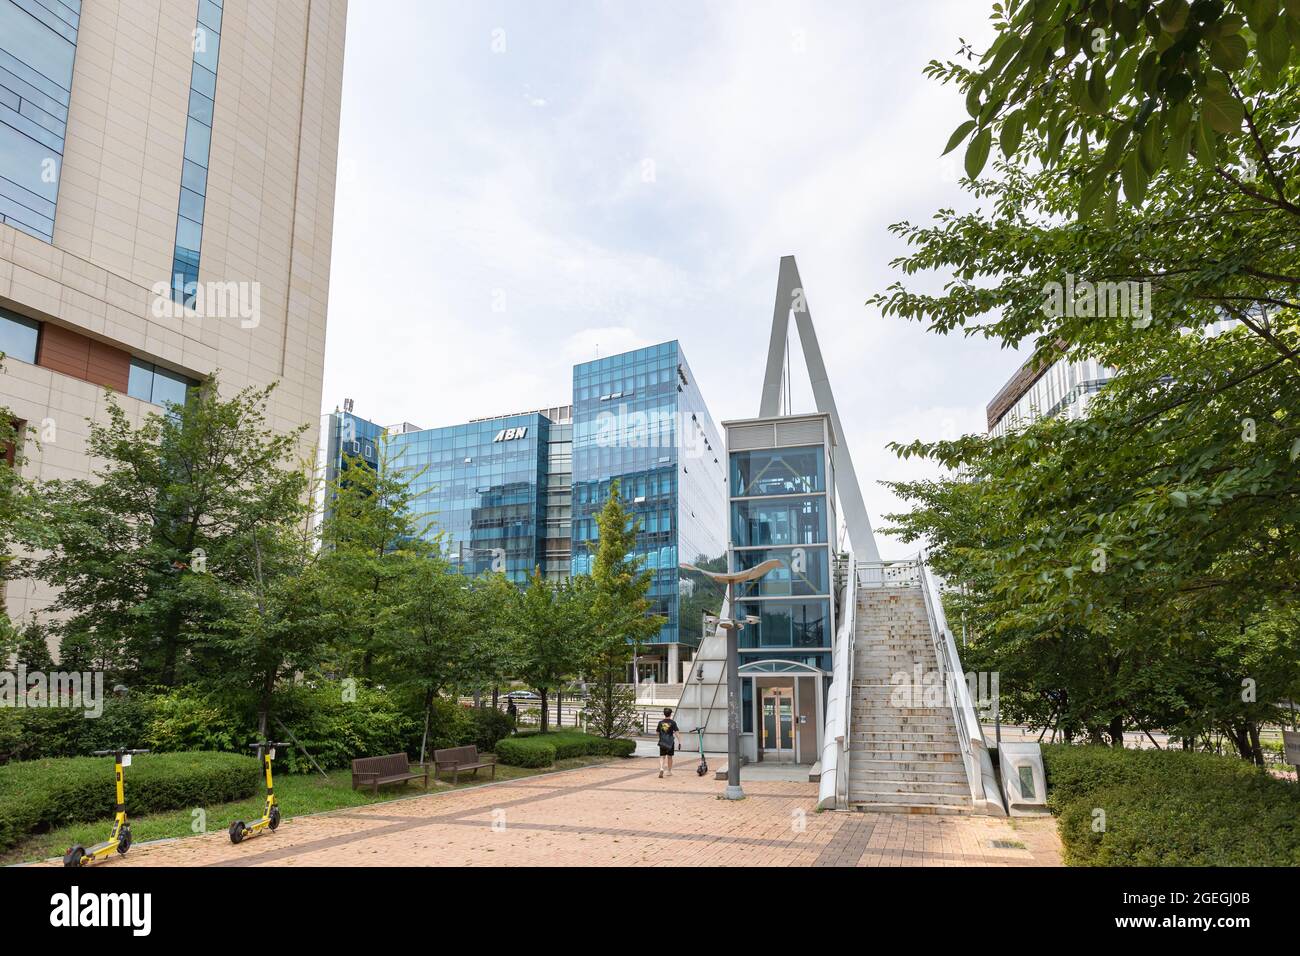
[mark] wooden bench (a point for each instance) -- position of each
(455, 759)
(374, 772)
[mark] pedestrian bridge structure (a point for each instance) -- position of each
(846, 662)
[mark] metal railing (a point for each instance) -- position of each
(979, 766)
(888, 574)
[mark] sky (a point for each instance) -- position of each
(525, 185)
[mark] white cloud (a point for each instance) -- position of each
(484, 243)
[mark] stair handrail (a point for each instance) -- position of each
(834, 787)
(970, 735)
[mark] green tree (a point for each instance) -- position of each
(492, 608)
(1117, 92)
(21, 517)
(423, 636)
(31, 647)
(620, 615)
(1132, 568)
(149, 548)
(550, 637)
(369, 534)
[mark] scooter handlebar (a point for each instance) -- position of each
(119, 752)
(258, 745)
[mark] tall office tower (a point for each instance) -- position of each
(1061, 389)
(640, 418)
(166, 210)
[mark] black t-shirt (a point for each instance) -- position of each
(667, 727)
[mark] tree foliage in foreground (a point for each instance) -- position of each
(149, 549)
(1134, 569)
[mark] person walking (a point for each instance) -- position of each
(669, 739)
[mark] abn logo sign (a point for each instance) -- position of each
(510, 434)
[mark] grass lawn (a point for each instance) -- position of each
(297, 794)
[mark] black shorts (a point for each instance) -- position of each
(665, 751)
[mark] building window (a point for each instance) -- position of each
(778, 521)
(799, 624)
(38, 42)
(18, 336)
(149, 383)
(803, 571)
(198, 148)
(777, 471)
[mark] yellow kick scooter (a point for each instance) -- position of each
(270, 818)
(119, 838)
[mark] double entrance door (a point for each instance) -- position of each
(776, 724)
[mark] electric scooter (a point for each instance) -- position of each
(703, 767)
(119, 838)
(270, 818)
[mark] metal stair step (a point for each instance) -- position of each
(861, 762)
(870, 795)
(902, 771)
(921, 750)
(864, 806)
(952, 788)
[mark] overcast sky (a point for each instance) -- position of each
(524, 185)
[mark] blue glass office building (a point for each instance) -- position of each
(496, 488)
(640, 418)
(518, 492)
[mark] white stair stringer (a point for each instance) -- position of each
(703, 702)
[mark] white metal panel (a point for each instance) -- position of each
(749, 437)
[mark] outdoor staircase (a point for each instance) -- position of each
(904, 751)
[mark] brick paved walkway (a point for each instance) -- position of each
(617, 814)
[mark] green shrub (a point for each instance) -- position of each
(620, 747)
(184, 720)
(525, 752)
(34, 732)
(566, 744)
(487, 726)
(377, 722)
(1170, 808)
(38, 795)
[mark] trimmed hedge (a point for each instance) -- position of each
(1170, 808)
(526, 752)
(532, 749)
(39, 795)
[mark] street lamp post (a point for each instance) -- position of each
(732, 625)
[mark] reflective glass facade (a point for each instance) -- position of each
(38, 43)
(482, 486)
(640, 419)
(519, 492)
(781, 509)
(198, 145)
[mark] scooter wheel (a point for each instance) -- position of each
(273, 819)
(701, 768)
(237, 831)
(124, 840)
(74, 856)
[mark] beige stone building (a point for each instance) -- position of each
(167, 173)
